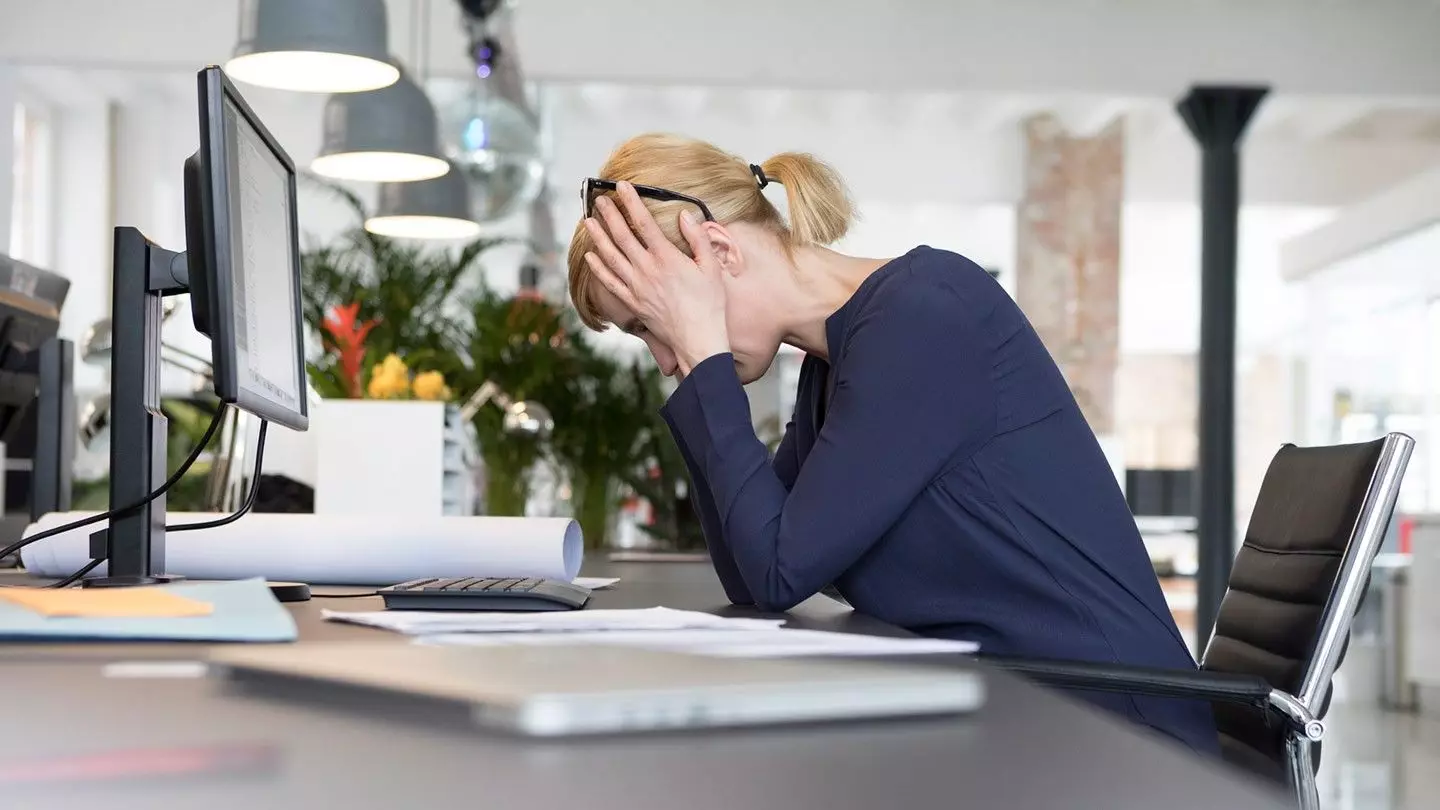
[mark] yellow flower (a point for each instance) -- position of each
(430, 385)
(390, 379)
(393, 366)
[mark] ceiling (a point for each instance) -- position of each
(1357, 105)
(1154, 49)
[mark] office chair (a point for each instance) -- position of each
(1284, 624)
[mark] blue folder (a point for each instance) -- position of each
(243, 610)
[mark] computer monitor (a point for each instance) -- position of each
(242, 269)
(243, 251)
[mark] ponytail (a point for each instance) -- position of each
(820, 207)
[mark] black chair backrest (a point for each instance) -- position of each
(1297, 582)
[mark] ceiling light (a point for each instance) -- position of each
(428, 209)
(314, 46)
(386, 135)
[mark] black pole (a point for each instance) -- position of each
(134, 543)
(1217, 117)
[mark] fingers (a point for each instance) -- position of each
(612, 282)
(641, 218)
(700, 246)
(619, 231)
(610, 255)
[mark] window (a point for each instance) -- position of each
(31, 171)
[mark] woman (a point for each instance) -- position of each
(937, 470)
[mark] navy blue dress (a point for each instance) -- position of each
(954, 488)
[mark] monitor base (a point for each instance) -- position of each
(129, 582)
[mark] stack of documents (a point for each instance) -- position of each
(243, 610)
(652, 628)
(760, 643)
(423, 622)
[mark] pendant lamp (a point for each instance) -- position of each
(385, 135)
(427, 209)
(315, 46)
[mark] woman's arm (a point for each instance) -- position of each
(786, 465)
(913, 395)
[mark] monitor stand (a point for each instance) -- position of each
(134, 543)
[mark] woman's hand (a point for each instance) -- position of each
(679, 299)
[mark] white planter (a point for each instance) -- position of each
(392, 458)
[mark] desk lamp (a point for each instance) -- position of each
(99, 342)
(522, 417)
(242, 268)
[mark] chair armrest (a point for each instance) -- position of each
(1197, 684)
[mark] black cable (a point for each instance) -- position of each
(343, 595)
(231, 518)
(249, 499)
(107, 515)
(77, 576)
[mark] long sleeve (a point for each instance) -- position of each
(704, 503)
(893, 426)
(786, 465)
(787, 459)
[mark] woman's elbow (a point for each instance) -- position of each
(739, 597)
(779, 601)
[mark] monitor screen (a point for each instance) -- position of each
(243, 255)
(262, 299)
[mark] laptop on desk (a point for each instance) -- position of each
(560, 691)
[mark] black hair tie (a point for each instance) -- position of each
(759, 175)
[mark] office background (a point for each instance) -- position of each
(947, 120)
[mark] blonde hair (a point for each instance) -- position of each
(820, 211)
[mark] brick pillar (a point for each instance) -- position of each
(1067, 276)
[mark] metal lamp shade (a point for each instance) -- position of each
(427, 209)
(385, 135)
(315, 46)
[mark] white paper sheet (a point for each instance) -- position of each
(759, 643)
(338, 550)
(596, 583)
(425, 622)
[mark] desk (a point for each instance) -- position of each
(1027, 749)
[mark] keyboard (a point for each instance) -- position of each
(485, 593)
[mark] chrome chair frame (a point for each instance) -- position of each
(1303, 713)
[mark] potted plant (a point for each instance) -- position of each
(520, 345)
(385, 317)
(600, 427)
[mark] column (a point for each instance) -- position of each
(1068, 258)
(1217, 117)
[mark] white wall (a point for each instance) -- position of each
(1160, 275)
(83, 225)
(7, 139)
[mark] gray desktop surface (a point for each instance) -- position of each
(1028, 748)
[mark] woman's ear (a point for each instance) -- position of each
(726, 249)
